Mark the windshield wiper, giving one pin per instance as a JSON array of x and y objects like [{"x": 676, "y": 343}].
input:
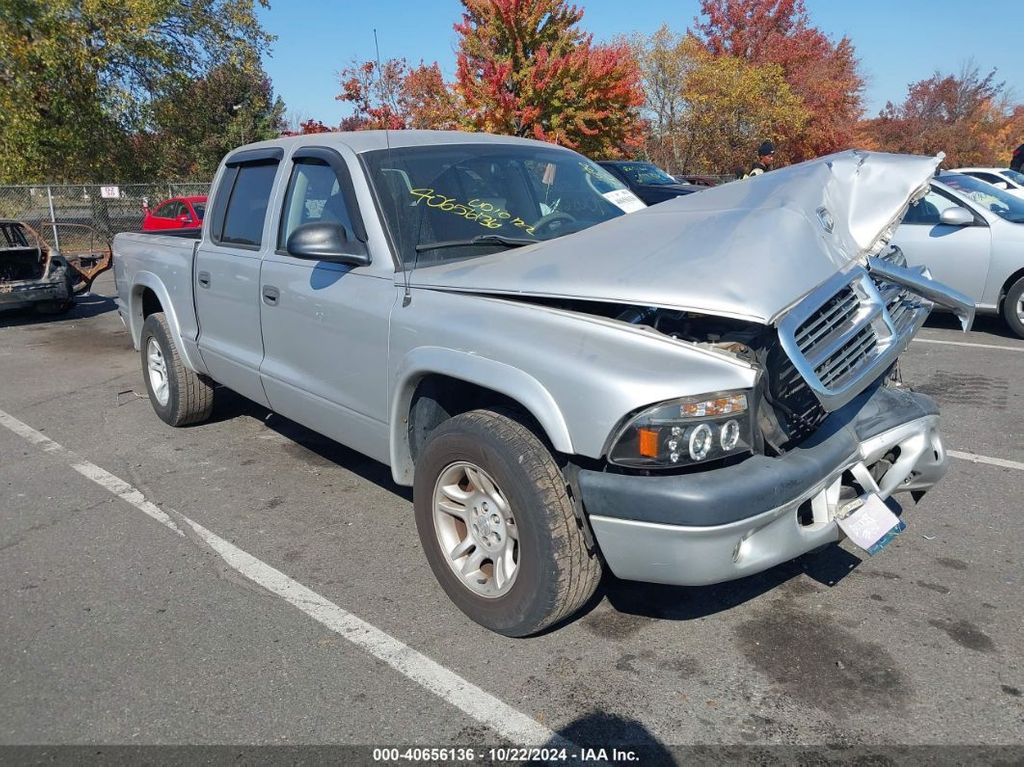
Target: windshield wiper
[{"x": 483, "y": 239}]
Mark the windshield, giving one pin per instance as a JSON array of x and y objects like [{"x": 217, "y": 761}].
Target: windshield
[
  {"x": 454, "y": 201},
  {"x": 200, "y": 209},
  {"x": 993, "y": 199},
  {"x": 1014, "y": 176},
  {"x": 646, "y": 173}
]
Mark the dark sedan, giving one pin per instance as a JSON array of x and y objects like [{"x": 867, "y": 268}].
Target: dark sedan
[{"x": 647, "y": 181}]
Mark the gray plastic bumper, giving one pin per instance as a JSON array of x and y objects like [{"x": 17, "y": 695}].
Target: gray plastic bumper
[{"x": 727, "y": 523}]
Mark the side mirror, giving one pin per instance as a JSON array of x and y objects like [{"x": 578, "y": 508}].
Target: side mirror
[
  {"x": 321, "y": 241},
  {"x": 1000, "y": 185},
  {"x": 956, "y": 216},
  {"x": 185, "y": 219}
]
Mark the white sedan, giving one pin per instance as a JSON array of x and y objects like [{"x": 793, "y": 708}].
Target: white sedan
[
  {"x": 970, "y": 235},
  {"x": 1003, "y": 178}
]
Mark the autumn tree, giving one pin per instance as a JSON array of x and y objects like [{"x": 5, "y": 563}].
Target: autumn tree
[
  {"x": 966, "y": 115},
  {"x": 731, "y": 106},
  {"x": 707, "y": 112},
  {"x": 526, "y": 68},
  {"x": 665, "y": 62},
  {"x": 77, "y": 78},
  {"x": 823, "y": 74},
  {"x": 394, "y": 95}
]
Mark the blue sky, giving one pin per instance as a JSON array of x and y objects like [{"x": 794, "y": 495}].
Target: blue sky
[{"x": 898, "y": 41}]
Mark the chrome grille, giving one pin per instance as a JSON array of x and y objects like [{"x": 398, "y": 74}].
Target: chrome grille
[
  {"x": 900, "y": 303},
  {"x": 836, "y": 311},
  {"x": 847, "y": 332},
  {"x": 849, "y": 358}
]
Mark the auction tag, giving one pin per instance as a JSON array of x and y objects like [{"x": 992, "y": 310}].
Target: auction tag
[
  {"x": 871, "y": 525},
  {"x": 624, "y": 200}
]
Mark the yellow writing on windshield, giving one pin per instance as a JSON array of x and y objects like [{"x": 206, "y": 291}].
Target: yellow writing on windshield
[{"x": 483, "y": 212}]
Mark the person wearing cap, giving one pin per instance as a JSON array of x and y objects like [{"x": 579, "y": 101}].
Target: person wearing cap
[{"x": 765, "y": 158}]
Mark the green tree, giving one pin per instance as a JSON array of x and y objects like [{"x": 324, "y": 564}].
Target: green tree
[
  {"x": 198, "y": 122},
  {"x": 731, "y": 106},
  {"x": 77, "y": 77}
]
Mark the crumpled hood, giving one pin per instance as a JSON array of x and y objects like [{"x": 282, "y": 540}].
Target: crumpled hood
[{"x": 747, "y": 249}]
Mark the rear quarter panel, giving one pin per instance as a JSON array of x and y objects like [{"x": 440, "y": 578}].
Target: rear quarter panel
[{"x": 162, "y": 264}]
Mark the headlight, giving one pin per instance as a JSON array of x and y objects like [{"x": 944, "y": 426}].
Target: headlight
[{"x": 686, "y": 431}]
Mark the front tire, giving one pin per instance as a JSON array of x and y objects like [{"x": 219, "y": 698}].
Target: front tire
[
  {"x": 1013, "y": 307},
  {"x": 179, "y": 396},
  {"x": 497, "y": 526}
]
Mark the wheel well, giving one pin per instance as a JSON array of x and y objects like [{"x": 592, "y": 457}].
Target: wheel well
[
  {"x": 150, "y": 303},
  {"x": 439, "y": 397},
  {"x": 1008, "y": 284}
]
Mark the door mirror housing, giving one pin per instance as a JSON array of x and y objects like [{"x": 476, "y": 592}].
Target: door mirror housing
[
  {"x": 956, "y": 216},
  {"x": 1000, "y": 185},
  {"x": 323, "y": 241}
]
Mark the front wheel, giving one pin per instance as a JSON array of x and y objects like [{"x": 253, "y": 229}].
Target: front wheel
[
  {"x": 1013, "y": 307},
  {"x": 497, "y": 526},
  {"x": 178, "y": 395}
]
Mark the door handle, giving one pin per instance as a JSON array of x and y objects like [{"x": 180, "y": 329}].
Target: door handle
[
  {"x": 270, "y": 295},
  {"x": 203, "y": 278}
]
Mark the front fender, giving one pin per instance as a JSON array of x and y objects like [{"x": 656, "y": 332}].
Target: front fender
[{"x": 474, "y": 369}]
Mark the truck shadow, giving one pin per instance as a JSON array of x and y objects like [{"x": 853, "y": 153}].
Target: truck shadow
[
  {"x": 827, "y": 567},
  {"x": 306, "y": 444}
]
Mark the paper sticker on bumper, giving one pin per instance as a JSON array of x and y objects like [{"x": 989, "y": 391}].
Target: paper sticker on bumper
[{"x": 871, "y": 525}]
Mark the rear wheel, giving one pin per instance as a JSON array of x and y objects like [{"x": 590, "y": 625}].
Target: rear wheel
[
  {"x": 1013, "y": 307},
  {"x": 497, "y": 526},
  {"x": 178, "y": 395}
]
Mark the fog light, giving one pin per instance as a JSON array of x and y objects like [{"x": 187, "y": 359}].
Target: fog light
[
  {"x": 700, "y": 442},
  {"x": 730, "y": 435}
]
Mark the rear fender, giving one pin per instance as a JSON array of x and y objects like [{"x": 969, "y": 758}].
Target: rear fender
[{"x": 143, "y": 280}]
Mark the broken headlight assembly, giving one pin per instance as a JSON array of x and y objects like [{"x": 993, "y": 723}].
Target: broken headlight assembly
[{"x": 687, "y": 431}]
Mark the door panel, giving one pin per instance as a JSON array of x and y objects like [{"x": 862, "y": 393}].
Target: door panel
[
  {"x": 326, "y": 342},
  {"x": 325, "y": 324},
  {"x": 227, "y": 277},
  {"x": 227, "y": 291},
  {"x": 958, "y": 256}
]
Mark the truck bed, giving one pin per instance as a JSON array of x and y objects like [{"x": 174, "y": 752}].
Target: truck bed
[{"x": 162, "y": 262}]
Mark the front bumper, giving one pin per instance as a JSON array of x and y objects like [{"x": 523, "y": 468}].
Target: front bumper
[{"x": 718, "y": 525}]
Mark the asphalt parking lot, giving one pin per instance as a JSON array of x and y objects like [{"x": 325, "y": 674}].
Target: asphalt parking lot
[{"x": 117, "y": 628}]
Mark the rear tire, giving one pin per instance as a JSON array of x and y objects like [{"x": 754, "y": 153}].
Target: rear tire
[
  {"x": 179, "y": 396},
  {"x": 1013, "y": 307},
  {"x": 554, "y": 573}
]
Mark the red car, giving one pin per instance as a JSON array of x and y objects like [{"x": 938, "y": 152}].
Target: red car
[{"x": 175, "y": 213}]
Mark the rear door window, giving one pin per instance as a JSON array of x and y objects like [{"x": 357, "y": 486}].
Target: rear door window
[{"x": 246, "y": 210}]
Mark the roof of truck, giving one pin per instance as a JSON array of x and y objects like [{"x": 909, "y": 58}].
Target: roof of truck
[{"x": 368, "y": 140}]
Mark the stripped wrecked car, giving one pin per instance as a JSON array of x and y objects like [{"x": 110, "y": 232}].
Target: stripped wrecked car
[{"x": 34, "y": 274}]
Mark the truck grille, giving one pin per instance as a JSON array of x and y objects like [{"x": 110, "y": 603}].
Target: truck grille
[{"x": 847, "y": 332}]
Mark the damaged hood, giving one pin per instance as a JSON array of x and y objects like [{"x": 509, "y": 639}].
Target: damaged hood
[{"x": 747, "y": 249}]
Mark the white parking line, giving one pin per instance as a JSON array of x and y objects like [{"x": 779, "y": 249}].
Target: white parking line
[
  {"x": 967, "y": 343},
  {"x": 508, "y": 722},
  {"x": 975, "y": 458}
]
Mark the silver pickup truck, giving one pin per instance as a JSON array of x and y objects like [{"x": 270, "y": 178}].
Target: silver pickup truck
[{"x": 686, "y": 394}]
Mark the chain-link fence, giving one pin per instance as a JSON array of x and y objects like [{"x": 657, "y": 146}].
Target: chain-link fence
[{"x": 105, "y": 208}]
